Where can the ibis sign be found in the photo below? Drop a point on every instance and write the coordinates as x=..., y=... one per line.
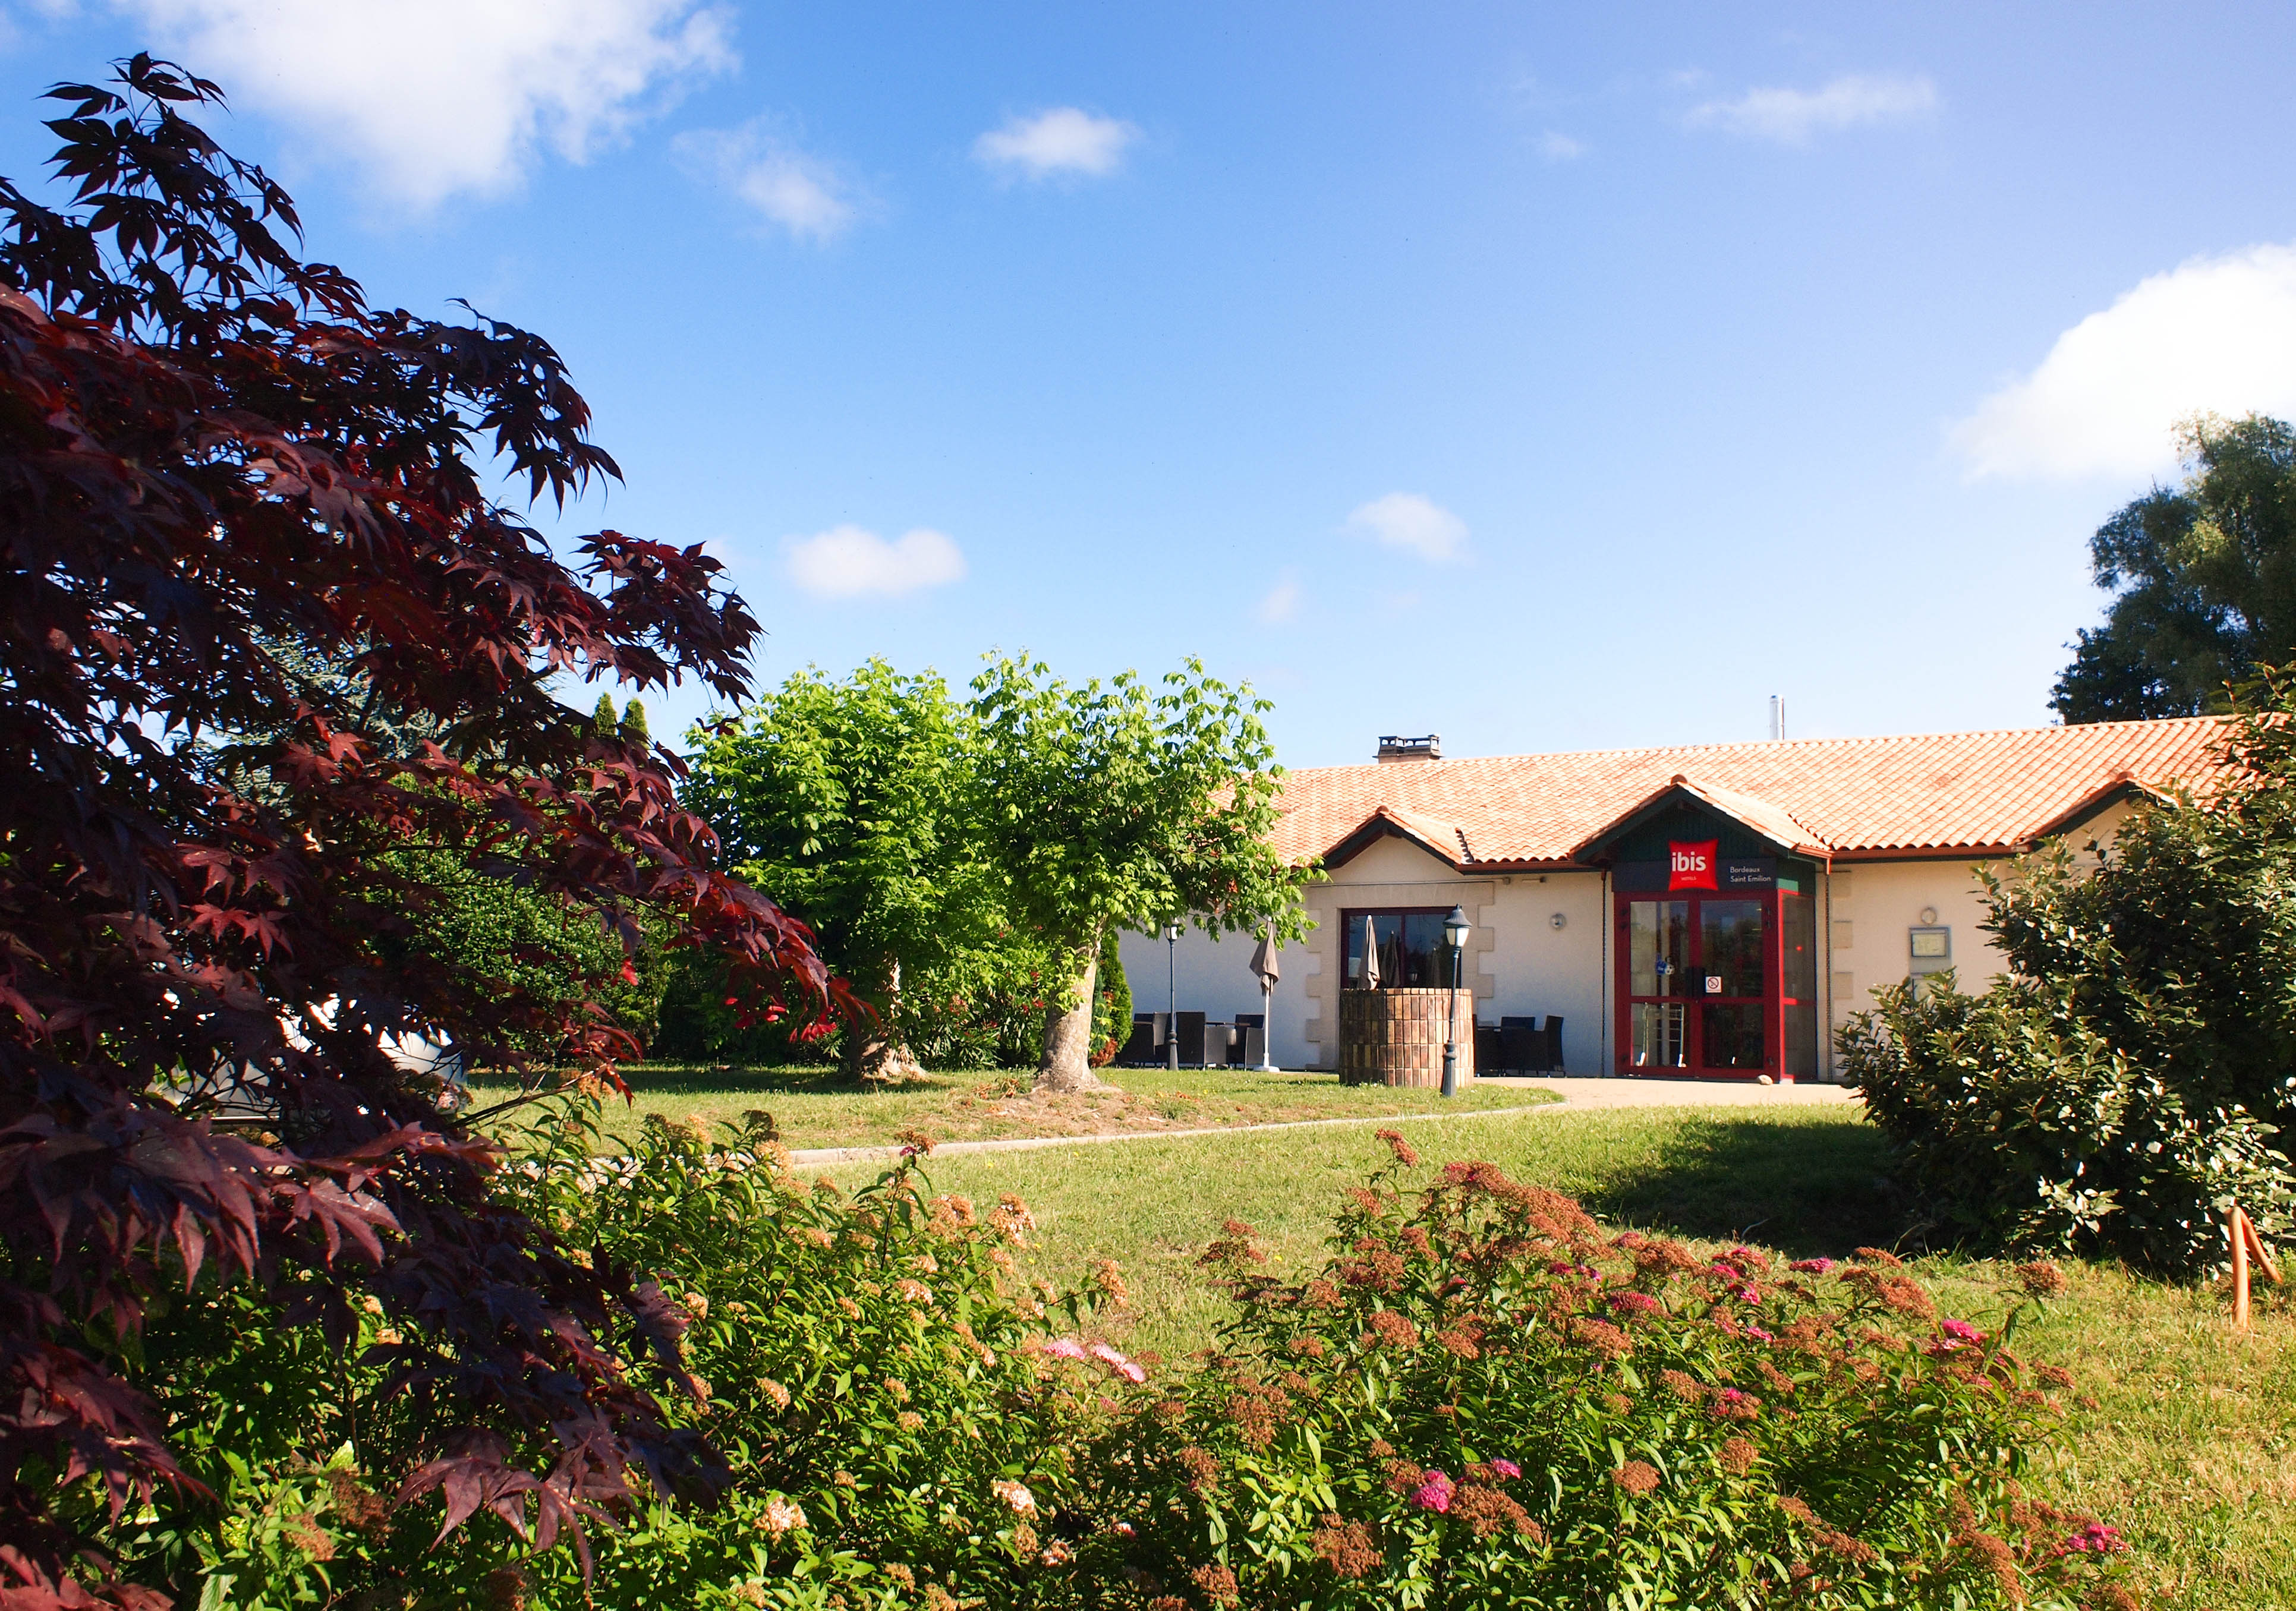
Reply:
x=1690, y=863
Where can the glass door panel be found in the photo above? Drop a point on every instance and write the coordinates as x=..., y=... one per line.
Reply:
x=1659, y=1034
x=1730, y=933
x=1798, y=986
x=1658, y=948
x=1730, y=1036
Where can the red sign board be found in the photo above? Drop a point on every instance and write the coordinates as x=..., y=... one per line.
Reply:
x=1689, y=864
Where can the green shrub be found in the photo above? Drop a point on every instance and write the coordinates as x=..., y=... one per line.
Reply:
x=872, y=1363
x=2020, y=1125
x=871, y=1367
x=1111, y=1013
x=1483, y=1400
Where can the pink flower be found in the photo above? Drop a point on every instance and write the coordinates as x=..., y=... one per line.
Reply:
x=1065, y=1347
x=1812, y=1266
x=1759, y=1334
x=2096, y=1539
x=1633, y=1302
x=1958, y=1335
x=1115, y=1362
x=1506, y=1468
x=1436, y=1494
x=1729, y=1272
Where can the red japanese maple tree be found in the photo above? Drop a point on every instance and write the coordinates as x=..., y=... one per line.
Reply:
x=217, y=462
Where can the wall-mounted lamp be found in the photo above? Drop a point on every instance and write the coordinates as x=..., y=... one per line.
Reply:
x=1556, y=920
x=1929, y=916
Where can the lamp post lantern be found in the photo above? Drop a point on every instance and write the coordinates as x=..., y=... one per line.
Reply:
x=1455, y=936
x=1172, y=1005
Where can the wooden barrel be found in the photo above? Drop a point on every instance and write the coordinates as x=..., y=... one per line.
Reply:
x=1395, y=1037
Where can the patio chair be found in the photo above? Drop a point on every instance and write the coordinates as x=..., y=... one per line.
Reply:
x=1190, y=1035
x=1522, y=1049
x=1147, y=1036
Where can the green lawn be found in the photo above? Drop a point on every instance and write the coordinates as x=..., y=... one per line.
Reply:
x=813, y=1109
x=2185, y=1435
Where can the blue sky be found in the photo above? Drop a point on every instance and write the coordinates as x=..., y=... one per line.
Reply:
x=1548, y=377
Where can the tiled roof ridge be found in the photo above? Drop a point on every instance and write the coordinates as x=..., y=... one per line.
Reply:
x=1413, y=768
x=1683, y=779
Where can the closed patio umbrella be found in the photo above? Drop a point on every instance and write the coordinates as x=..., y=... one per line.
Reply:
x=1371, y=956
x=1264, y=967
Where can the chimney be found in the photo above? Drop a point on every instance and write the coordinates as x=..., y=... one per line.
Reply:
x=1392, y=747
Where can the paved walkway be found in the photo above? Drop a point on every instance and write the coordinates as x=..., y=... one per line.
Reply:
x=1577, y=1095
x=1683, y=1093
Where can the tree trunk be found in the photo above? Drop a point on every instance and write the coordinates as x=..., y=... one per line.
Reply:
x=1067, y=1062
x=873, y=1052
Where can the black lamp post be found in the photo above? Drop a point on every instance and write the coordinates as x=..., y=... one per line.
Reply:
x=1172, y=1016
x=1455, y=936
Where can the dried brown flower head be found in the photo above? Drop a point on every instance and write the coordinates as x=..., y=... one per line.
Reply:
x=1637, y=1477
x=1487, y=1510
x=2041, y=1279
x=1218, y=1584
x=1388, y=1327
x=1346, y=1546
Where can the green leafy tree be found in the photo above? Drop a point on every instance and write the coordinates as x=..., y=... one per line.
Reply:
x=632, y=730
x=2204, y=579
x=1111, y=806
x=850, y=800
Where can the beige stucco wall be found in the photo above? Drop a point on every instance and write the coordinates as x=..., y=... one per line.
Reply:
x=1874, y=906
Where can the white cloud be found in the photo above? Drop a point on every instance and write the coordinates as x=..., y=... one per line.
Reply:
x=1791, y=116
x=846, y=562
x=2215, y=334
x=1281, y=601
x=1405, y=519
x=804, y=194
x=441, y=97
x=1560, y=147
x=1065, y=140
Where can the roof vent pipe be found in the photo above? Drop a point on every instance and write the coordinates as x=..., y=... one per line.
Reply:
x=1777, y=717
x=1392, y=747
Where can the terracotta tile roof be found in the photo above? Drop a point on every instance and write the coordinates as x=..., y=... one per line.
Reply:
x=1851, y=797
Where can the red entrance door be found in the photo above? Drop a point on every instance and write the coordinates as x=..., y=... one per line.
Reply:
x=1698, y=984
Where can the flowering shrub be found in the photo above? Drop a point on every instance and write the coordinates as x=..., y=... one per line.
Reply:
x=899, y=1410
x=898, y=1413
x=1481, y=1399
